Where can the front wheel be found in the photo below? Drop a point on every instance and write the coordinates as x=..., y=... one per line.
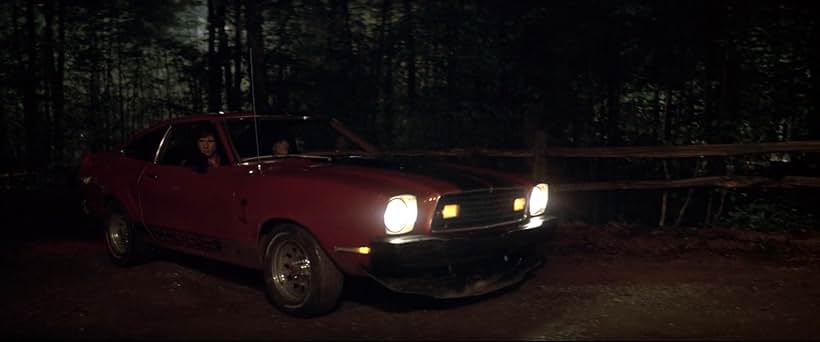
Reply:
x=300, y=279
x=126, y=244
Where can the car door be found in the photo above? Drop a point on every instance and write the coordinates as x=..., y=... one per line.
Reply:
x=121, y=172
x=185, y=207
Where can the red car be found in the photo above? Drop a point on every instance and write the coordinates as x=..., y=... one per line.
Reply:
x=308, y=202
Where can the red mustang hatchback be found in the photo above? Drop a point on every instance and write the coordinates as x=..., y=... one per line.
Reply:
x=308, y=202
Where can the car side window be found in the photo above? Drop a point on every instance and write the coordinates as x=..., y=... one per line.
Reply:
x=181, y=145
x=145, y=147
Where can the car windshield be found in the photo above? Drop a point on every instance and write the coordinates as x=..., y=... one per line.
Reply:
x=279, y=137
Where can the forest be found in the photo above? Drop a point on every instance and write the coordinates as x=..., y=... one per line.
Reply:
x=81, y=76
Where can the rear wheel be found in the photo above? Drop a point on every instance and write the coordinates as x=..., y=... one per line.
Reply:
x=300, y=279
x=126, y=244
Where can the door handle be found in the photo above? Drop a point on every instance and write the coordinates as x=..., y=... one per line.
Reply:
x=151, y=175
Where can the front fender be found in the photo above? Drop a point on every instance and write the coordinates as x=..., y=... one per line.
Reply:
x=336, y=214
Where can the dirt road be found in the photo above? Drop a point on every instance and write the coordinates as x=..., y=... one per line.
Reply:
x=597, y=283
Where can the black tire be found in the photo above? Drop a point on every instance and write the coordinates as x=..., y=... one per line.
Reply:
x=300, y=279
x=126, y=243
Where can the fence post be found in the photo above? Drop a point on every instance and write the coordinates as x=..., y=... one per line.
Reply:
x=539, y=163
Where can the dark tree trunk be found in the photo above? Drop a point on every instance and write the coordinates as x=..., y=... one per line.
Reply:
x=813, y=117
x=282, y=99
x=411, y=57
x=224, y=52
x=386, y=56
x=166, y=63
x=98, y=131
x=259, y=91
x=721, y=70
x=712, y=31
x=452, y=36
x=121, y=83
x=214, y=65
x=137, y=112
x=727, y=105
x=346, y=42
x=378, y=70
x=58, y=95
x=32, y=117
x=196, y=95
x=17, y=40
x=613, y=105
x=49, y=70
x=105, y=99
x=235, y=94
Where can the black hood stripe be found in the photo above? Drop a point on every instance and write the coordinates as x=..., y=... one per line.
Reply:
x=461, y=178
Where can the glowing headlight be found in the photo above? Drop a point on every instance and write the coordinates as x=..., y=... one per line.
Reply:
x=538, y=199
x=400, y=214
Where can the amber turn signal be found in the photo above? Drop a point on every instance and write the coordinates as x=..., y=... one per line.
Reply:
x=519, y=204
x=449, y=211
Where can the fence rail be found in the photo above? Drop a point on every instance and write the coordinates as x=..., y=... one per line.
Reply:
x=788, y=182
x=661, y=151
x=541, y=152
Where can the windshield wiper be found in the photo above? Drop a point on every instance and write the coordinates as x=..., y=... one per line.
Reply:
x=306, y=156
x=271, y=158
x=327, y=156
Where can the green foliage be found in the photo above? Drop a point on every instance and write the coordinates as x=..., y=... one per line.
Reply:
x=769, y=214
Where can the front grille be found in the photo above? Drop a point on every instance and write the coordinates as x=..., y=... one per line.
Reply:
x=479, y=209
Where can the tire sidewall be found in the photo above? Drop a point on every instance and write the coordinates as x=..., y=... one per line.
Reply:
x=127, y=257
x=311, y=304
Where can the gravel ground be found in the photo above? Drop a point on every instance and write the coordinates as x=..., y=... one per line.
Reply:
x=598, y=282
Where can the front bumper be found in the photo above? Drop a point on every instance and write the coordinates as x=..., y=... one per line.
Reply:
x=450, y=265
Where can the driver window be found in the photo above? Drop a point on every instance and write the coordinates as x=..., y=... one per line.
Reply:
x=193, y=145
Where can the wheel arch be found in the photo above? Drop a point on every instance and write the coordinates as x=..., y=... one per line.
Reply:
x=130, y=207
x=269, y=226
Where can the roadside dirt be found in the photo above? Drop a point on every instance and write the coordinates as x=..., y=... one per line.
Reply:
x=598, y=282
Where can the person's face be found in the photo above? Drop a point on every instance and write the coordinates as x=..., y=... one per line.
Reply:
x=207, y=145
x=281, y=147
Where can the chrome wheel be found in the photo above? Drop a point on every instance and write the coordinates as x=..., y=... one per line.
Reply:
x=291, y=272
x=119, y=236
x=300, y=279
x=127, y=245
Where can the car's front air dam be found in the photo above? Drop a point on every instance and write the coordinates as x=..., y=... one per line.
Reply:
x=463, y=282
x=459, y=265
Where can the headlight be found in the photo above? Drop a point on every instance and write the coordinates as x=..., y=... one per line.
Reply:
x=400, y=214
x=538, y=199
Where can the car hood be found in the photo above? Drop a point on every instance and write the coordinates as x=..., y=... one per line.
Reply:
x=411, y=174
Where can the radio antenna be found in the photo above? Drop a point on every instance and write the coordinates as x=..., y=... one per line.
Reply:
x=253, y=111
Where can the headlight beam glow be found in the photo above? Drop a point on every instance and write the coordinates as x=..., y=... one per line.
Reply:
x=400, y=214
x=539, y=196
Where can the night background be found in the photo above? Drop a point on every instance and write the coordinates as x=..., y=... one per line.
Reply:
x=420, y=75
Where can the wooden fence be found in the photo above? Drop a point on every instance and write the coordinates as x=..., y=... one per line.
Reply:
x=540, y=153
